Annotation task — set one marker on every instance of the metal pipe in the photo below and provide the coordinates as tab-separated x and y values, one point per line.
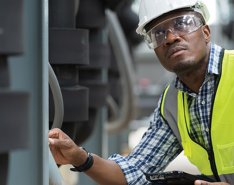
124	62
58	99
55	177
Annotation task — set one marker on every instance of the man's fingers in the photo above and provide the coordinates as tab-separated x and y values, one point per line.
56	142
57	133
200	182
51	141
54	133
60	143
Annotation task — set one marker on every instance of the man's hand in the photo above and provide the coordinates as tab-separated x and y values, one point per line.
64	150
200	182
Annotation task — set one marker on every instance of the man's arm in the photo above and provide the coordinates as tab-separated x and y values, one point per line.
65	151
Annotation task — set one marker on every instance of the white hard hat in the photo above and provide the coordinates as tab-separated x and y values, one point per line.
152	9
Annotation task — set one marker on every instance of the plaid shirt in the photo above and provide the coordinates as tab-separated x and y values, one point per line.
159	146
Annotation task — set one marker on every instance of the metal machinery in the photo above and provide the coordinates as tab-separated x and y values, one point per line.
91	58
12	102
23	97
73	36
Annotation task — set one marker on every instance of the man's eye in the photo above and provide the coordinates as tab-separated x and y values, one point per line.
159	32
183	23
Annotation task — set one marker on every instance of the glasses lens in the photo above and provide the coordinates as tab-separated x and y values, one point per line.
179	26
184	25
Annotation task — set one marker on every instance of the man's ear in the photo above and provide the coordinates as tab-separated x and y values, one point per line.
206	33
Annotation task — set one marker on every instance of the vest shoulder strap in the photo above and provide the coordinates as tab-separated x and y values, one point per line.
169	109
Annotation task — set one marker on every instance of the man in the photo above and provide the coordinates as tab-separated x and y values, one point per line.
194	114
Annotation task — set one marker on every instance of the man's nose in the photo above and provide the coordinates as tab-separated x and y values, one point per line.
170	36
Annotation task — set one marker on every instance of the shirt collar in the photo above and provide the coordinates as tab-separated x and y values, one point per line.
213	66
214	59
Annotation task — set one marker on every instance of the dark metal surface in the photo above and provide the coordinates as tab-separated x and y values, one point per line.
4	161
68	46
14	118
4	72
91	14
11	37
75	104
62	13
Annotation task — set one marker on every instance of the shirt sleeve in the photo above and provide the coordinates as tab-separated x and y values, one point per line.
156	149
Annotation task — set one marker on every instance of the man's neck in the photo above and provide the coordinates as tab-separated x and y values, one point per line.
193	81
193	78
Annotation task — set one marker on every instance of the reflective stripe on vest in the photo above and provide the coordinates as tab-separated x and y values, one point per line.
175	110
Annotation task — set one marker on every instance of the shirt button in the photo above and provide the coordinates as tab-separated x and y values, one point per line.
207	129
203	102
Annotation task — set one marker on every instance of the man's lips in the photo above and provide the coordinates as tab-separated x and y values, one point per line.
175	50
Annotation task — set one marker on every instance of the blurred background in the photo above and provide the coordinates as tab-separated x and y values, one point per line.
79	65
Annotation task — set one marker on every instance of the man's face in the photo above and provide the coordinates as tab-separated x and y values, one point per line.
182	54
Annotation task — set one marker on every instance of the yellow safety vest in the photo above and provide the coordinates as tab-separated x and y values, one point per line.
220	160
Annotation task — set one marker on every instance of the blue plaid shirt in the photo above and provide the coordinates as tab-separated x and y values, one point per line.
159	146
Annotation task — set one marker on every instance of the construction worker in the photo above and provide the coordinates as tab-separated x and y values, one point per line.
195	112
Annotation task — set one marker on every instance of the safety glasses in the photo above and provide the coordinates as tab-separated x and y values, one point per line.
178	26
